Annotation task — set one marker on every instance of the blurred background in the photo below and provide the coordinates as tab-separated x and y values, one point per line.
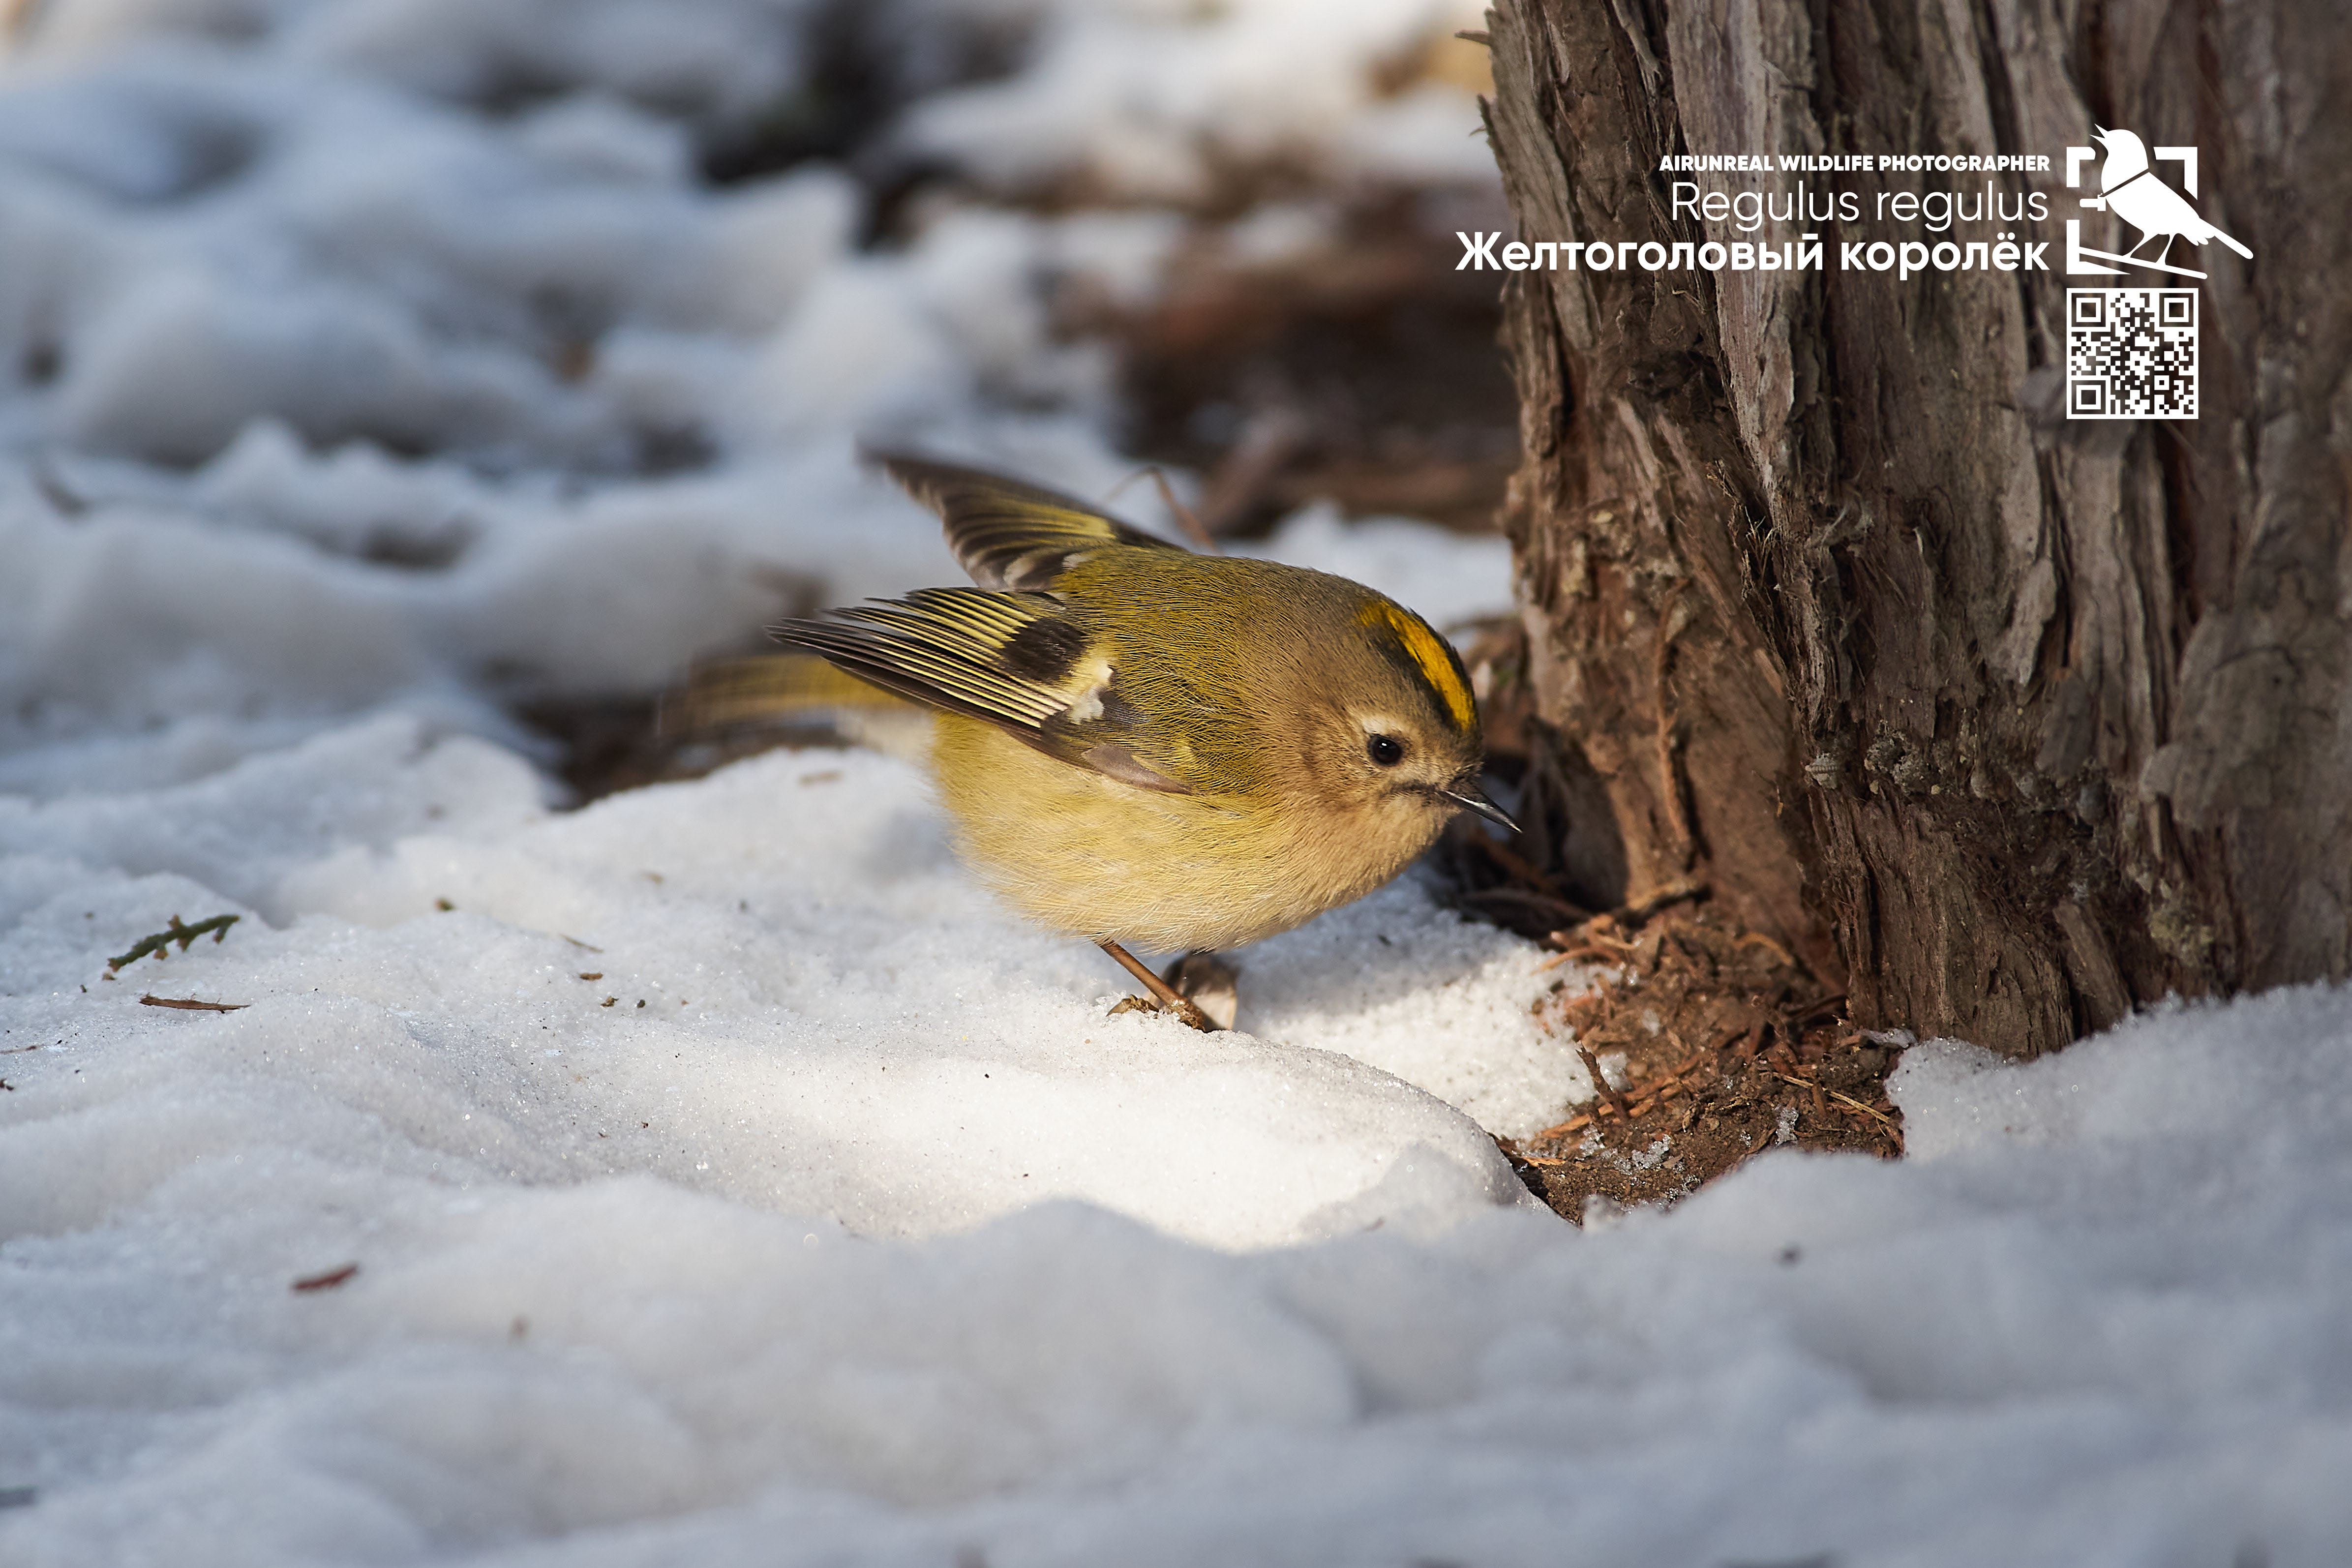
491	360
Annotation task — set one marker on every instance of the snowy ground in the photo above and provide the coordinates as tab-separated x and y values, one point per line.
728	1179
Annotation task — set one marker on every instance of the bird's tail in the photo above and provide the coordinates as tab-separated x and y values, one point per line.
796	694
2233	244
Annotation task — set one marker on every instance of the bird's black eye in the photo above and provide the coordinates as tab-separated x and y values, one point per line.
1385	750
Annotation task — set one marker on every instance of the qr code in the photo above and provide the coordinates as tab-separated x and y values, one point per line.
2131	353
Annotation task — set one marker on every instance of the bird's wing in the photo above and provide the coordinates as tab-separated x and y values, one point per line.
1008	534
1024	662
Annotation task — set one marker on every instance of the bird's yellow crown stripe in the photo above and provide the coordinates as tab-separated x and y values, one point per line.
1431	657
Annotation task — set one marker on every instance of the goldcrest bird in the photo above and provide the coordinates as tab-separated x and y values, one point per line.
1140	744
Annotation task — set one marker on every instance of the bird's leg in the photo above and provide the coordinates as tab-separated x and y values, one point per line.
1163	995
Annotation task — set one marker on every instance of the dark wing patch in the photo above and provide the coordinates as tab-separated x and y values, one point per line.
1006	533
1022	662
1046	651
942	647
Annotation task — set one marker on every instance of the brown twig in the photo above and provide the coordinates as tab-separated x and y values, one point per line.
189	1005
1853	1104
1669	1086
1576	1124
1543	904
1664	1091
1515	863
1592	952
1845	1100
327	1281
1672	893
1592	934
1194	528
1273	435
1758	939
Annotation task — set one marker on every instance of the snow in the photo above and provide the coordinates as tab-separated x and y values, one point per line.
1142	99
2074	1333
721	1176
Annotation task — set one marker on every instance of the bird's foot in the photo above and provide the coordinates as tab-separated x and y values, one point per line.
1201	976
1210	983
1184	1010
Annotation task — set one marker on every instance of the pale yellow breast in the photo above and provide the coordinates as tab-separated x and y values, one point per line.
1084	854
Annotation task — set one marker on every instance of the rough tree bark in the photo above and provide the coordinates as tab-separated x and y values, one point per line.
2014	722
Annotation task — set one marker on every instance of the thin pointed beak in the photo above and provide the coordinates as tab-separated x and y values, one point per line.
1470	798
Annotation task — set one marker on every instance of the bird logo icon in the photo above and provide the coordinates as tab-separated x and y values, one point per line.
2131	189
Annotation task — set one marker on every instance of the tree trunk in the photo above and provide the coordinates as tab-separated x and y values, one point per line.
2014	720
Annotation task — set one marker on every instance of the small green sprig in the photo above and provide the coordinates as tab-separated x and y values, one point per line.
182	934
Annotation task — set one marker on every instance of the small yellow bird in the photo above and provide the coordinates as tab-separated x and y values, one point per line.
1140	744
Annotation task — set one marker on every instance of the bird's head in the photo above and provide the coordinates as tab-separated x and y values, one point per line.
1389	734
